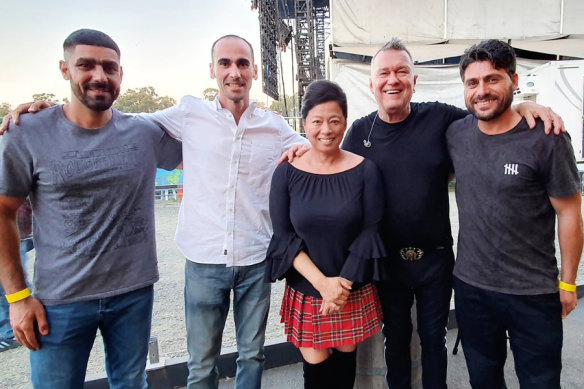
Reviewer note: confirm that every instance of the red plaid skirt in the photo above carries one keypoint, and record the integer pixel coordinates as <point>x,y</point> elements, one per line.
<point>305,326</point>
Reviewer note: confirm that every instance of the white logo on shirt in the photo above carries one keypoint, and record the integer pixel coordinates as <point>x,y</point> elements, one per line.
<point>511,168</point>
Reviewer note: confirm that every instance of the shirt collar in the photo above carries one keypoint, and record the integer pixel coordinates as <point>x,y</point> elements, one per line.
<point>251,109</point>
<point>253,104</point>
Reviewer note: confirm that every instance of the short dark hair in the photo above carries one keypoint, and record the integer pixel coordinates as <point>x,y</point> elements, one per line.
<point>323,91</point>
<point>89,37</point>
<point>231,36</point>
<point>499,54</point>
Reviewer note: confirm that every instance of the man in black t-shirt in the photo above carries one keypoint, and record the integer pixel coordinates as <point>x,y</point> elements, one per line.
<point>511,184</point>
<point>407,141</point>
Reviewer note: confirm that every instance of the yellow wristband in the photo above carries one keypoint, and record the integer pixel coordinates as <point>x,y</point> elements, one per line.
<point>21,295</point>
<point>567,287</point>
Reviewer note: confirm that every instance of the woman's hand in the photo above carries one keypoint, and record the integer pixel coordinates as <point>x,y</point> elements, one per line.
<point>332,290</point>
<point>328,308</point>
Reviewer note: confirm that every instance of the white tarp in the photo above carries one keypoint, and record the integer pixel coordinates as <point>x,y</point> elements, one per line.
<point>573,17</point>
<point>437,29</point>
<point>566,47</point>
<point>420,52</point>
<point>374,22</point>
<point>502,19</point>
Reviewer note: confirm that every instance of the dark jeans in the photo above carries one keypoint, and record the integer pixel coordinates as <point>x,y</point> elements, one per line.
<point>430,282</point>
<point>534,326</point>
<point>124,322</point>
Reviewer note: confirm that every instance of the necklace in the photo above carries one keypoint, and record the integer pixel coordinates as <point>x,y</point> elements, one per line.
<point>367,142</point>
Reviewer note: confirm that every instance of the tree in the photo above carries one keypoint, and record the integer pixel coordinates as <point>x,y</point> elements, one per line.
<point>45,97</point>
<point>210,94</point>
<point>291,104</point>
<point>143,100</point>
<point>48,97</point>
<point>4,109</point>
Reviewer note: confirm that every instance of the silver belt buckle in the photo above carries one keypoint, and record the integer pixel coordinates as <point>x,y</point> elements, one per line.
<point>411,253</point>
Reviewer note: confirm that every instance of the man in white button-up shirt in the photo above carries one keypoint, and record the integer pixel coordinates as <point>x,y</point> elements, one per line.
<point>230,150</point>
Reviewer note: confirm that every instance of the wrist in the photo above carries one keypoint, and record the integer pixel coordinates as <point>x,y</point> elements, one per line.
<point>566,286</point>
<point>319,283</point>
<point>18,296</point>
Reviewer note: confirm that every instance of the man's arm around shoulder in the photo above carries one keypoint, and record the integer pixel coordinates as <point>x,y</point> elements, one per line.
<point>28,311</point>
<point>294,145</point>
<point>172,120</point>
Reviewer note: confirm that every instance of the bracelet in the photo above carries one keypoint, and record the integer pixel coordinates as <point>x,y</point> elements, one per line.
<point>567,287</point>
<point>21,295</point>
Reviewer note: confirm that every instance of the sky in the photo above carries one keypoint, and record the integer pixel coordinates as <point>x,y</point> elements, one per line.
<point>164,44</point>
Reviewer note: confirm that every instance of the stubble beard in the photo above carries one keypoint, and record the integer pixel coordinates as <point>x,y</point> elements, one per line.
<point>504,104</point>
<point>100,104</point>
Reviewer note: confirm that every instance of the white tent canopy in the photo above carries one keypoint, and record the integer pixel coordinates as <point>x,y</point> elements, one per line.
<point>436,29</point>
<point>374,22</point>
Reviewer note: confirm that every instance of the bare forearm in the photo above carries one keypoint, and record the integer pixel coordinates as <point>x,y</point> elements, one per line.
<point>569,234</point>
<point>570,239</point>
<point>11,273</point>
<point>304,265</point>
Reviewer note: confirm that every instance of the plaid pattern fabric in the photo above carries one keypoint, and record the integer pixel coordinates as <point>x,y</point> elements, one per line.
<point>305,326</point>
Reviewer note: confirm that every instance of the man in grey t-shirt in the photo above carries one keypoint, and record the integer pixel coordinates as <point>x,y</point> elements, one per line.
<point>511,185</point>
<point>89,171</point>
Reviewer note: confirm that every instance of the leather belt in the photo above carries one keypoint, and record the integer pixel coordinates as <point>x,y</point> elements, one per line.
<point>415,253</point>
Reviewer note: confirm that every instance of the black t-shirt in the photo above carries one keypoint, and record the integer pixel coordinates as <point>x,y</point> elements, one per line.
<point>333,218</point>
<point>415,167</point>
<point>503,186</point>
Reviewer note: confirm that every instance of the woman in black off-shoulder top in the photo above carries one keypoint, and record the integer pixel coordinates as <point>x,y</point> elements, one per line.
<point>325,208</point>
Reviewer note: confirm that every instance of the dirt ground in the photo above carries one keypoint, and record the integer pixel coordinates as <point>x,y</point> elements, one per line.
<point>168,316</point>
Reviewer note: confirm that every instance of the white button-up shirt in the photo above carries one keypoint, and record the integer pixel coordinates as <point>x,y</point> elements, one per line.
<point>224,216</point>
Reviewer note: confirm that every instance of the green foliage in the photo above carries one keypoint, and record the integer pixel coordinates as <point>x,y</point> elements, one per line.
<point>45,97</point>
<point>4,109</point>
<point>210,93</point>
<point>142,100</point>
<point>291,103</point>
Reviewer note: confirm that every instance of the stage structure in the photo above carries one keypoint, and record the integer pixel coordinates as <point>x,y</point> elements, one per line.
<point>308,23</point>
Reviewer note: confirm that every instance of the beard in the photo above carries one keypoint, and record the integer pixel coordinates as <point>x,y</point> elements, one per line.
<point>503,104</point>
<point>98,103</point>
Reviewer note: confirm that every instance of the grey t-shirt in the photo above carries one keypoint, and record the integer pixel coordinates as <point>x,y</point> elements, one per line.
<point>92,193</point>
<point>503,186</point>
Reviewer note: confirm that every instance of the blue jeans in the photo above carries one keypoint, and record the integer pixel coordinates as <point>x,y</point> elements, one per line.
<point>5,329</point>
<point>429,280</point>
<point>534,325</point>
<point>207,291</point>
<point>124,322</point>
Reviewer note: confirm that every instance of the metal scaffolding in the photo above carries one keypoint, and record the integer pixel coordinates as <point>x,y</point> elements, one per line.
<point>311,19</point>
<point>321,28</point>
<point>268,18</point>
<point>305,58</point>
